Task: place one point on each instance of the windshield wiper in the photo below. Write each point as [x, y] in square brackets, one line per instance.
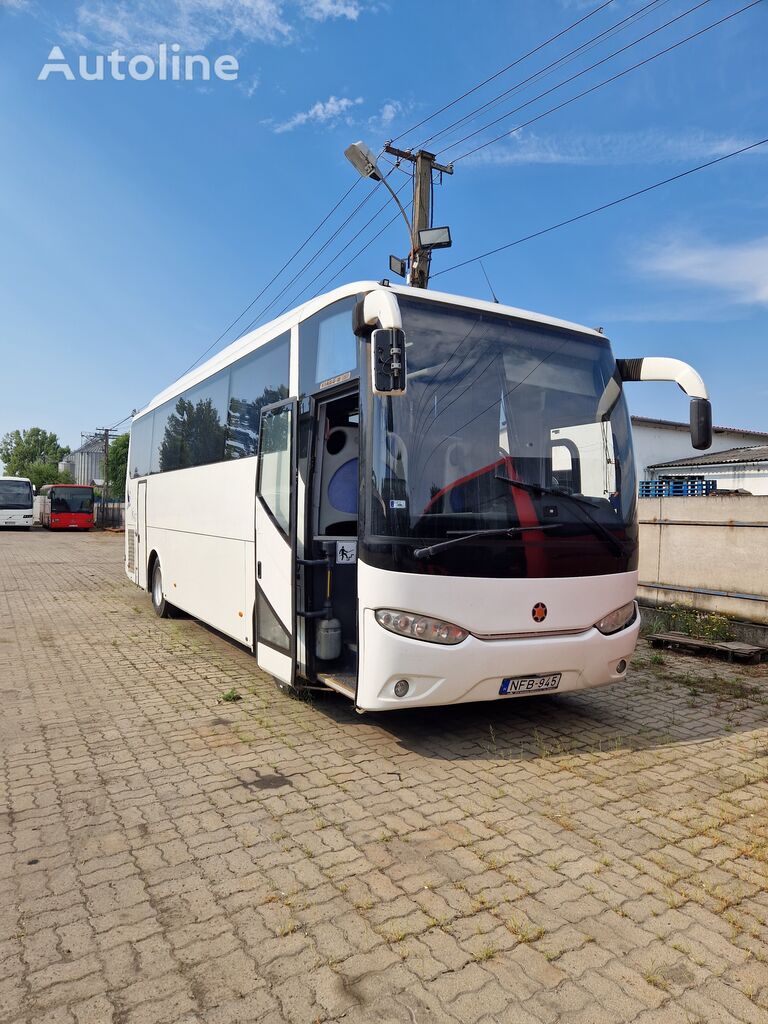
[508, 531]
[582, 503]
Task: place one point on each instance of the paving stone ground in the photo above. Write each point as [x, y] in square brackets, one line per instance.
[167, 857]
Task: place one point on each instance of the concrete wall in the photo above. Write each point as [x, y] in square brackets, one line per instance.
[706, 553]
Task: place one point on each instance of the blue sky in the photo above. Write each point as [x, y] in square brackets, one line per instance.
[137, 219]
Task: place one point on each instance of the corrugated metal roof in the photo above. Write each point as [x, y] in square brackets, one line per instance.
[753, 453]
[93, 444]
[684, 426]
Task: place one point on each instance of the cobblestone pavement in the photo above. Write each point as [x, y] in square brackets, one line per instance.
[167, 857]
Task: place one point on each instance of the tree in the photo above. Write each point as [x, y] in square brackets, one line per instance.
[118, 465]
[22, 449]
[42, 473]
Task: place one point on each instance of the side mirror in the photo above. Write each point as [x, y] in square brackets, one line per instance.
[388, 362]
[701, 423]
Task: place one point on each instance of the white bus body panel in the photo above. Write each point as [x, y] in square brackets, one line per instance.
[199, 522]
[474, 669]
[16, 516]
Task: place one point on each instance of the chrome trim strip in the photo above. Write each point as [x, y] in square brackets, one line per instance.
[536, 634]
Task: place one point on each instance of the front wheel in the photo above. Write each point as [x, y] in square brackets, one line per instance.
[161, 606]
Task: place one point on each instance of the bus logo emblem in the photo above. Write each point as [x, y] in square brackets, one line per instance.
[539, 612]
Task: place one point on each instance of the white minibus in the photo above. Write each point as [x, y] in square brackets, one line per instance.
[409, 497]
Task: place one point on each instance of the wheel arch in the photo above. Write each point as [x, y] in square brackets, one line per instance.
[153, 558]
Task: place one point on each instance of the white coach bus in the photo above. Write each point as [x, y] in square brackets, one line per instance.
[406, 496]
[16, 502]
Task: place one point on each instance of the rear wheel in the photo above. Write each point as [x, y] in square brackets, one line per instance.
[161, 606]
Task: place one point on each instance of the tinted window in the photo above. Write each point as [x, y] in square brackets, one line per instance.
[15, 494]
[71, 499]
[190, 430]
[275, 466]
[141, 446]
[327, 345]
[257, 380]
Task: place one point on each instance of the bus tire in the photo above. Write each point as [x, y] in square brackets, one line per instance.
[161, 606]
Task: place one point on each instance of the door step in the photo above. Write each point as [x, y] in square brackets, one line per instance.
[342, 682]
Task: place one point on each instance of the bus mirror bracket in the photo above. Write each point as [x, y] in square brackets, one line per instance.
[687, 379]
[377, 317]
[388, 369]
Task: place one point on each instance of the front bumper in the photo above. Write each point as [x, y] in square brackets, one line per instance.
[474, 669]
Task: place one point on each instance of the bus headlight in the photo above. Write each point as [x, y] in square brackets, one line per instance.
[420, 627]
[617, 620]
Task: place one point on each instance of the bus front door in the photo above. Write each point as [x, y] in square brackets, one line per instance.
[276, 481]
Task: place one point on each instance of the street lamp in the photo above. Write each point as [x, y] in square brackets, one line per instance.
[364, 162]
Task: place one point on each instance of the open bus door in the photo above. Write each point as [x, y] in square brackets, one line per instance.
[276, 482]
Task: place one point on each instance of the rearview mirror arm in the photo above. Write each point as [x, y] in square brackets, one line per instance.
[687, 379]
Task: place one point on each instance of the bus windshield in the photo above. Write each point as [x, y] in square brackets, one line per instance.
[72, 499]
[503, 424]
[15, 494]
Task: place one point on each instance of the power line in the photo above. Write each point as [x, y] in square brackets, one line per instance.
[599, 85]
[368, 196]
[327, 217]
[604, 206]
[359, 252]
[579, 74]
[566, 58]
[269, 283]
[503, 70]
[346, 245]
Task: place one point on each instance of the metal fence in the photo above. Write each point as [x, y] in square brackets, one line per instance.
[681, 488]
[108, 514]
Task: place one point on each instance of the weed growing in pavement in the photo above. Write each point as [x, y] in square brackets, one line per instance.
[486, 953]
[523, 932]
[230, 696]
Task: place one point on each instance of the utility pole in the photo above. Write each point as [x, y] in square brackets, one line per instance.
[424, 165]
[108, 436]
[105, 491]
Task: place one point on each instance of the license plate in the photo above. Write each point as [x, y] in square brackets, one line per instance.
[529, 684]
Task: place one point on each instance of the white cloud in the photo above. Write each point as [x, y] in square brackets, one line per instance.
[322, 10]
[384, 117]
[612, 148]
[249, 87]
[739, 270]
[15, 5]
[322, 112]
[194, 24]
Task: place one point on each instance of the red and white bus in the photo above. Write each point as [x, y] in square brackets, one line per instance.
[66, 507]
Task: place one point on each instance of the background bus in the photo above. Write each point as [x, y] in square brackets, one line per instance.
[16, 501]
[412, 498]
[66, 507]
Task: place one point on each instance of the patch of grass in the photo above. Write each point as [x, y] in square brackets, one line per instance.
[523, 932]
[486, 953]
[656, 659]
[652, 977]
[230, 696]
